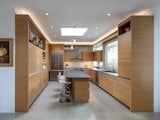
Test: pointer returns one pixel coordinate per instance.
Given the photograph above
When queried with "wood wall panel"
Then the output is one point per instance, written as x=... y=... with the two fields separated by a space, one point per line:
x=30 y=77
x=21 y=99
x=80 y=88
x=140 y=68
x=143 y=63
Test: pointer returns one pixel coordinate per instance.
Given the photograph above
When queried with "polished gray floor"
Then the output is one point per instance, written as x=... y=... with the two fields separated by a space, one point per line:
x=101 y=107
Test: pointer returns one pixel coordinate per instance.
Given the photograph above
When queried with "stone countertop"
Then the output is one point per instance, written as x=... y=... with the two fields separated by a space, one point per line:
x=76 y=74
x=110 y=73
x=102 y=70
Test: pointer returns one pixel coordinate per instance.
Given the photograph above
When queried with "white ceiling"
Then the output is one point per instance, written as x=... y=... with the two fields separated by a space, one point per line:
x=81 y=13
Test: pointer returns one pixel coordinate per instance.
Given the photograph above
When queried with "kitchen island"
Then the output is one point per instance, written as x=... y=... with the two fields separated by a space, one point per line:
x=79 y=85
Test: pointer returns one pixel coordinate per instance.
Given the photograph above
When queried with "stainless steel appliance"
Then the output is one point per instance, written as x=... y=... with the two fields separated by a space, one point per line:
x=56 y=64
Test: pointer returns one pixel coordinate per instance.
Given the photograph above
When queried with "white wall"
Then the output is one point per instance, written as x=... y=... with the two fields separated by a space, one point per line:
x=7 y=74
x=157 y=61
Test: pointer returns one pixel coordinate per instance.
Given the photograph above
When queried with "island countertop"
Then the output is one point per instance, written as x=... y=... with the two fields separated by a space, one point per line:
x=76 y=74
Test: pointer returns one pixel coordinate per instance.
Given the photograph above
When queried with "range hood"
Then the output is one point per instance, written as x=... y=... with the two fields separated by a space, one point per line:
x=76 y=54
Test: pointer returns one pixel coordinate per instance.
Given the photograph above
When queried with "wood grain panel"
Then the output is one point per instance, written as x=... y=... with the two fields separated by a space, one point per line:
x=88 y=72
x=30 y=78
x=87 y=56
x=124 y=69
x=80 y=88
x=122 y=91
x=67 y=56
x=21 y=88
x=106 y=82
x=98 y=56
x=124 y=55
x=56 y=47
x=143 y=62
x=124 y=46
x=93 y=76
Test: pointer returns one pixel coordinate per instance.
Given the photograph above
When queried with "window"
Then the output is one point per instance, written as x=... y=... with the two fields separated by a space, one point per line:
x=96 y=48
x=111 y=56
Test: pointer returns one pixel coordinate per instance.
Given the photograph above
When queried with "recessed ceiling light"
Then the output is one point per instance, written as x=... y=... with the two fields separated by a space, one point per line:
x=46 y=13
x=52 y=27
x=108 y=14
x=73 y=31
x=97 y=28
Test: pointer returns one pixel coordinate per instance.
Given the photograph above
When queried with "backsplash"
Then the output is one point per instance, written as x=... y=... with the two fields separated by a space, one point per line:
x=79 y=64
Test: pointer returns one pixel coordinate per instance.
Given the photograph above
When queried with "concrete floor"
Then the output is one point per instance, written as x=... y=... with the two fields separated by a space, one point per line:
x=101 y=107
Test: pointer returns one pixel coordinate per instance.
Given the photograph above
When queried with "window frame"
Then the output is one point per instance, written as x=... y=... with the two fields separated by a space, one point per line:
x=106 y=66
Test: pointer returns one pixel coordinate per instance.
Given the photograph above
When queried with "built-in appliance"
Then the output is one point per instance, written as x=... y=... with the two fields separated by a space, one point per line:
x=56 y=64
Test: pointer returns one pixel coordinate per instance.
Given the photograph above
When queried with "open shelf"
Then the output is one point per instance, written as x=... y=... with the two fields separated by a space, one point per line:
x=124 y=28
x=36 y=37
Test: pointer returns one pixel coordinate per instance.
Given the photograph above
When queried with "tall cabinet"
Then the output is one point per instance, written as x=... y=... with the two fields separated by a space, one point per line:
x=136 y=61
x=31 y=63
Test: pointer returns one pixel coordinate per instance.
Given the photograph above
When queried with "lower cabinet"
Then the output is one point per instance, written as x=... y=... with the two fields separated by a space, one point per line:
x=93 y=76
x=37 y=83
x=106 y=82
x=118 y=87
x=122 y=91
x=91 y=73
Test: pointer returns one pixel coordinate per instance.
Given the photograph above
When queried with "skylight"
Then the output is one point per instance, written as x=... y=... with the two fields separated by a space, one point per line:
x=73 y=31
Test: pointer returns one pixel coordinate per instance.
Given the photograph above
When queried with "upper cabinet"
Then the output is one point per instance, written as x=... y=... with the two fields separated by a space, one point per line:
x=135 y=59
x=78 y=53
x=56 y=47
x=124 y=50
x=35 y=36
x=98 y=56
x=67 y=55
x=87 y=56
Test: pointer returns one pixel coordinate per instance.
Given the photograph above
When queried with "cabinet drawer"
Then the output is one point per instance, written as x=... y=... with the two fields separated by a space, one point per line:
x=122 y=91
x=124 y=69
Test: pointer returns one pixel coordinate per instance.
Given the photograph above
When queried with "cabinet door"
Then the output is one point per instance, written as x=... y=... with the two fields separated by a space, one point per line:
x=87 y=56
x=88 y=72
x=98 y=56
x=124 y=46
x=34 y=87
x=124 y=55
x=124 y=69
x=94 y=76
x=106 y=82
x=30 y=58
x=67 y=56
x=122 y=91
x=44 y=78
